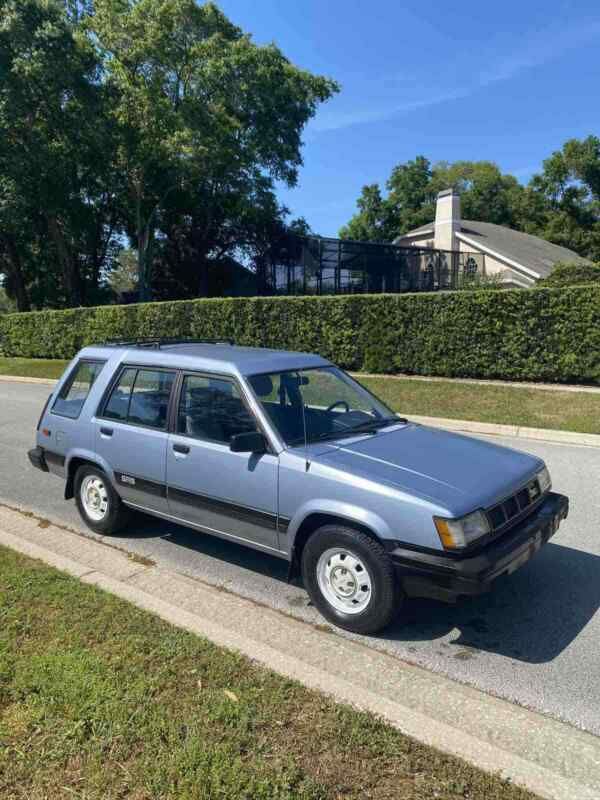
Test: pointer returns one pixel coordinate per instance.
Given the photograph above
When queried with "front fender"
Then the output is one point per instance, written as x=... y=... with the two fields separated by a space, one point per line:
x=338 y=508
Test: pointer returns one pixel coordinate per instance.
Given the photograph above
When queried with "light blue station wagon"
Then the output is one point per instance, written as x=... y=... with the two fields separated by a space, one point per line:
x=286 y=453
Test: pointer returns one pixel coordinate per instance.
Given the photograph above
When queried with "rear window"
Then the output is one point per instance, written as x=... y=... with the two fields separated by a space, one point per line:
x=141 y=397
x=74 y=393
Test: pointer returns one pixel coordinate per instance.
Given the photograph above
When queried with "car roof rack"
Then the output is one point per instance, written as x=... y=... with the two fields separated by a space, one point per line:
x=158 y=342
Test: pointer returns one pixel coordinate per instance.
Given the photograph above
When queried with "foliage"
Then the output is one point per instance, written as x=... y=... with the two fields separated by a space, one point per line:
x=572 y=274
x=155 y=120
x=478 y=281
x=561 y=204
x=540 y=334
x=124 y=276
x=6 y=304
x=57 y=210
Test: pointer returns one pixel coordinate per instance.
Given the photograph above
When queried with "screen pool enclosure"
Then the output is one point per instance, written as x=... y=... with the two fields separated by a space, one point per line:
x=317 y=265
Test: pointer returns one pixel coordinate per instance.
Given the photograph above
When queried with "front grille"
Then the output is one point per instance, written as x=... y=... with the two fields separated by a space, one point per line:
x=514 y=507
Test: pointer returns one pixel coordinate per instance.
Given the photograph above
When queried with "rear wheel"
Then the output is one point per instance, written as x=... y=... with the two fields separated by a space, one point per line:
x=100 y=506
x=350 y=579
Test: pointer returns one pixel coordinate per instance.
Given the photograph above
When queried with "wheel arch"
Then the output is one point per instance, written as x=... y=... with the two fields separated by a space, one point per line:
x=76 y=460
x=301 y=529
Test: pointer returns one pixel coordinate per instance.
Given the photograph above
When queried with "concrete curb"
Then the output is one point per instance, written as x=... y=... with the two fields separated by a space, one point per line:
x=460 y=425
x=23 y=379
x=548 y=757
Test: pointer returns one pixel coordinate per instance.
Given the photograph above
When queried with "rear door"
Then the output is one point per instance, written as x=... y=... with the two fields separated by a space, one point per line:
x=231 y=494
x=131 y=434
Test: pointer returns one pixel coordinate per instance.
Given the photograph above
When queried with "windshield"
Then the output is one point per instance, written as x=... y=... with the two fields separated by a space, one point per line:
x=324 y=403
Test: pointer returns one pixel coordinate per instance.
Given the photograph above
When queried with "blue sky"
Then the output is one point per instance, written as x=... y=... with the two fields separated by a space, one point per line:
x=508 y=82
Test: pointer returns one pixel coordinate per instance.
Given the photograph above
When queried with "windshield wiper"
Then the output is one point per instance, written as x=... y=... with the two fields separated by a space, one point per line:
x=375 y=424
x=371 y=426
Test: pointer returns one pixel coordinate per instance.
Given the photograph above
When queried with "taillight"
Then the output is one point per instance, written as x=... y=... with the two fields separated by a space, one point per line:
x=43 y=411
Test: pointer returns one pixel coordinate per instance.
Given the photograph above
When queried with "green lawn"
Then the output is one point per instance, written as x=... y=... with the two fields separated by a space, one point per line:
x=100 y=700
x=32 y=367
x=536 y=408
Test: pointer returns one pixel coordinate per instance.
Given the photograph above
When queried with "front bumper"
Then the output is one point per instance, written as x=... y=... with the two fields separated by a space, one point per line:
x=37 y=459
x=446 y=576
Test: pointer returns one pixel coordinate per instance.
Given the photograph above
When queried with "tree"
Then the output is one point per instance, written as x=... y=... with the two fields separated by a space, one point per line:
x=57 y=215
x=572 y=274
x=201 y=112
x=6 y=304
x=124 y=276
x=567 y=192
x=561 y=204
x=486 y=194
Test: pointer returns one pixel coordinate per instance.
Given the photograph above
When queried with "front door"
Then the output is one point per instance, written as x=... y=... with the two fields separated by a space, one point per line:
x=131 y=434
x=230 y=494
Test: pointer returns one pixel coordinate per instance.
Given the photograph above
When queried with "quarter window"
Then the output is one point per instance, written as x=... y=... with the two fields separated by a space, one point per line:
x=74 y=393
x=212 y=409
x=141 y=397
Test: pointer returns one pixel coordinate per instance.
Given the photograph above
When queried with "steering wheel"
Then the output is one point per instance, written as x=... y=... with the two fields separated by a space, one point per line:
x=339 y=403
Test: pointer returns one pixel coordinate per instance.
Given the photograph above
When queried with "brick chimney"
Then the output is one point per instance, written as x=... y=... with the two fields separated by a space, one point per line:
x=447 y=220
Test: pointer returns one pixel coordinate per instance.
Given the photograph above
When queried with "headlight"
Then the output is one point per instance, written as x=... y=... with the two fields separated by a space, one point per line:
x=457 y=533
x=544 y=480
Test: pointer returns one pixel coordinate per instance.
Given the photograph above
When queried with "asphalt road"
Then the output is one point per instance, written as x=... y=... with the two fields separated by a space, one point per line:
x=534 y=640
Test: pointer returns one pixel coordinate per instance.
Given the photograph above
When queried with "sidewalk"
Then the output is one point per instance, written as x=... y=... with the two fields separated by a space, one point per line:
x=550 y=758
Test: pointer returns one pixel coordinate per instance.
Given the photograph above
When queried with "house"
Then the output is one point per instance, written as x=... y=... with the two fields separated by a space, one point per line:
x=519 y=258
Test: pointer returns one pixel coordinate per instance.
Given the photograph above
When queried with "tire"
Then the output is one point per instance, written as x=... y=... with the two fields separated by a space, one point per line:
x=111 y=515
x=350 y=579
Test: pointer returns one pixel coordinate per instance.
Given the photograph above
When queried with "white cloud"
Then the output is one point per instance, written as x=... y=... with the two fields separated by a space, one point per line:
x=333 y=120
x=534 y=51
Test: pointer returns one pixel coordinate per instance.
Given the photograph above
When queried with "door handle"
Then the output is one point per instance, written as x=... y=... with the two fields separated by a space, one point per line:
x=106 y=432
x=181 y=448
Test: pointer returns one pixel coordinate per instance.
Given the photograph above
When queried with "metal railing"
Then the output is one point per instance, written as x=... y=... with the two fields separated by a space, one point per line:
x=316 y=265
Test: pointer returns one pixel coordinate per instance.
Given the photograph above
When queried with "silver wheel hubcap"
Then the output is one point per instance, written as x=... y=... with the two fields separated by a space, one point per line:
x=94 y=497
x=344 y=580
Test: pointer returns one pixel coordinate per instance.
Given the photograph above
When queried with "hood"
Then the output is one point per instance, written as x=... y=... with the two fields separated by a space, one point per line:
x=458 y=472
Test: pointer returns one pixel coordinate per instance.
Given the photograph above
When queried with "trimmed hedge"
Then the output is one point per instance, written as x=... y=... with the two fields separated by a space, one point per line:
x=537 y=334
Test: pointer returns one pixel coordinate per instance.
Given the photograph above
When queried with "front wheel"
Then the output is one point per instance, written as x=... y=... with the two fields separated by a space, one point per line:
x=350 y=579
x=99 y=505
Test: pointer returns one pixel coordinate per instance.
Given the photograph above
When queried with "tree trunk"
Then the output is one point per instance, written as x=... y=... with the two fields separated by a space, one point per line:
x=17 y=278
x=70 y=269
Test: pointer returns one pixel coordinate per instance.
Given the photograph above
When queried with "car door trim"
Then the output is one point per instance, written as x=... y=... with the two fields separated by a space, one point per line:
x=255 y=516
x=264 y=519
x=154 y=488
x=204 y=528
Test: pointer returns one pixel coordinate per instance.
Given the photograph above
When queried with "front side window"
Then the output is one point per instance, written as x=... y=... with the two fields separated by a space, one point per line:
x=74 y=393
x=318 y=404
x=141 y=397
x=212 y=408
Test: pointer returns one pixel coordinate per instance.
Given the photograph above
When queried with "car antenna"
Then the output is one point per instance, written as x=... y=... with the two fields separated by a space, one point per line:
x=306 y=459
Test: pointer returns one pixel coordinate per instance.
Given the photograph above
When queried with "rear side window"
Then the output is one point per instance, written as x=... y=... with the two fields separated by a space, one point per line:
x=141 y=397
x=74 y=393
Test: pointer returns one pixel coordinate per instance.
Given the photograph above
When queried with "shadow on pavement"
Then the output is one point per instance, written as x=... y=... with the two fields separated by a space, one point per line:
x=530 y=616
x=236 y=554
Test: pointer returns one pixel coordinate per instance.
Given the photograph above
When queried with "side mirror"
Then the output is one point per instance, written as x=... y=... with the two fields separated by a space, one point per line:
x=251 y=442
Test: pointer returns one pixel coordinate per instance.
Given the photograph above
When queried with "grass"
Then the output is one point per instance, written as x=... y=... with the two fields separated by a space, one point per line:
x=536 y=408
x=100 y=700
x=32 y=367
